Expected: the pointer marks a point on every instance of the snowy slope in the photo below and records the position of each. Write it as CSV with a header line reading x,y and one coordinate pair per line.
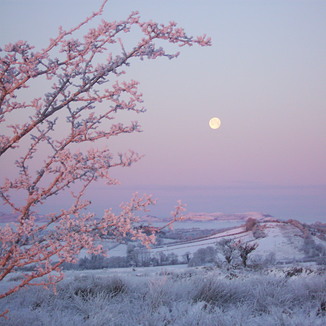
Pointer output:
x,y
181,248
283,239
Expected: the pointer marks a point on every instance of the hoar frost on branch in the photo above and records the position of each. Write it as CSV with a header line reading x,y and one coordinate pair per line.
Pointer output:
x,y
85,95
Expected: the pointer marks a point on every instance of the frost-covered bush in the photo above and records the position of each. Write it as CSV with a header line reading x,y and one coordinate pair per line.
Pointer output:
x,y
93,262
312,249
259,233
203,256
91,287
259,262
97,262
218,292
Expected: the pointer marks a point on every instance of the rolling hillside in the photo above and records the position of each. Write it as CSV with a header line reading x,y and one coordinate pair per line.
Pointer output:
x,y
285,239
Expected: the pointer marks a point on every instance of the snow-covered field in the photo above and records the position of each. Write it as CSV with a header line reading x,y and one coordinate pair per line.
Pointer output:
x,y
177,296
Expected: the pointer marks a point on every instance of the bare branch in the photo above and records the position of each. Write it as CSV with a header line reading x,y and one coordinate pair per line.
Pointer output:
x,y
86,93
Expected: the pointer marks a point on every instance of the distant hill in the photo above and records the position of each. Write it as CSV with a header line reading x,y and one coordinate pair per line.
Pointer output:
x,y
204,217
229,217
285,240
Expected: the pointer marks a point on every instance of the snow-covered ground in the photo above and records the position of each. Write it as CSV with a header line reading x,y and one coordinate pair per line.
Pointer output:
x,y
283,239
175,296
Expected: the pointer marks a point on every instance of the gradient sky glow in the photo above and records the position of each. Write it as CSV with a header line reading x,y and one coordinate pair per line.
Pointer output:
x,y
264,77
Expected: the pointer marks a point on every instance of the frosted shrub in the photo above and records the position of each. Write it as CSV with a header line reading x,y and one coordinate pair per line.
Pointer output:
x,y
218,292
91,287
259,233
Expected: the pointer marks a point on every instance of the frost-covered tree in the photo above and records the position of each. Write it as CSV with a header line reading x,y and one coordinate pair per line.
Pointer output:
x,y
228,248
231,249
58,138
250,224
244,250
186,257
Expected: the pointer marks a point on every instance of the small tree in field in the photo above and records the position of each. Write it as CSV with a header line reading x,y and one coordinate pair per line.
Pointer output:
x,y
227,247
244,250
48,135
231,249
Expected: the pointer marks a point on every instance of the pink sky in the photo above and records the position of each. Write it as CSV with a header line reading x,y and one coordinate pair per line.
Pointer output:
x,y
264,77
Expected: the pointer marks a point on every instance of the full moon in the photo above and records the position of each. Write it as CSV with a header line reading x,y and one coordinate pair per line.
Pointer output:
x,y
215,123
